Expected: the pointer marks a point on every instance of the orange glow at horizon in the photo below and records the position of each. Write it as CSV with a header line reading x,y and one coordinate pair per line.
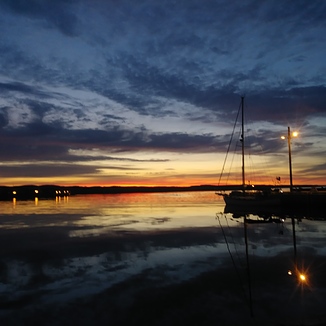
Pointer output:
x,y
198,170
164,182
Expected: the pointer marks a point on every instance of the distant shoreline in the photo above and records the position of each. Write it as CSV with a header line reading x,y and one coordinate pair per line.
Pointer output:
x,y
52,191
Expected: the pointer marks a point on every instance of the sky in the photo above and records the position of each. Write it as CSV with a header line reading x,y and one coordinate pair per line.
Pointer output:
x,y
146,92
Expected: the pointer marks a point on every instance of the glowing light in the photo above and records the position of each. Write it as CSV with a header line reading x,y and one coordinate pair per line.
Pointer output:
x,y
302,277
14,192
294,134
289,272
36,191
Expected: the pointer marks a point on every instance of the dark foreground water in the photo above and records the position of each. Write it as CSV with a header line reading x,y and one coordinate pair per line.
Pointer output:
x,y
156,259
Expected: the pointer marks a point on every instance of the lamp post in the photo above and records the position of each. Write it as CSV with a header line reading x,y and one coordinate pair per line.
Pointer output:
x,y
290,159
289,137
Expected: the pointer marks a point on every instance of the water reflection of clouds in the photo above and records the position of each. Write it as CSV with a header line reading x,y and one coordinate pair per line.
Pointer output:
x,y
160,220
270,239
90,243
80,276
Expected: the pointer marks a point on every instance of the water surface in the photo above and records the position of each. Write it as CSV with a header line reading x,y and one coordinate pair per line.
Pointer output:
x,y
63,250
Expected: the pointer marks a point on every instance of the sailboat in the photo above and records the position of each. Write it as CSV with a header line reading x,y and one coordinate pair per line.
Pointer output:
x,y
247,197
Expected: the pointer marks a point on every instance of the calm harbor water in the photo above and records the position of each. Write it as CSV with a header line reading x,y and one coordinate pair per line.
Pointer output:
x,y
138,211
54,252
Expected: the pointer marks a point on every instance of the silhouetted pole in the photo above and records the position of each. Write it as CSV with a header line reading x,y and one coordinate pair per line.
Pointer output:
x,y
291,189
248,266
242,139
290,159
243,145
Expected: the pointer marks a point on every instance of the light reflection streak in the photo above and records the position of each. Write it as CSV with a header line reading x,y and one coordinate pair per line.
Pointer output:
x,y
136,211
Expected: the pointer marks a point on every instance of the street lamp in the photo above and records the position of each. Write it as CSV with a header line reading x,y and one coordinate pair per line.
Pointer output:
x,y
289,137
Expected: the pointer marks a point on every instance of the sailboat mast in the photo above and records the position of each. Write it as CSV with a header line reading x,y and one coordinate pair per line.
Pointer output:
x,y
242,142
244,216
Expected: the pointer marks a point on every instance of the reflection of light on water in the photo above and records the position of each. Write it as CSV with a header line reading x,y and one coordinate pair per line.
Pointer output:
x,y
137,211
147,212
93,215
303,276
99,204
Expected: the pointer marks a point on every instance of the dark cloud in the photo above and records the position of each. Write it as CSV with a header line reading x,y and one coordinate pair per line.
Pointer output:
x,y
320,167
47,170
46,142
16,87
173,62
12,88
284,105
3,117
56,14
302,12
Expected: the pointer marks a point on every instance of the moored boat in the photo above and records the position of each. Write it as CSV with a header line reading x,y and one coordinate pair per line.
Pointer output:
x,y
247,196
